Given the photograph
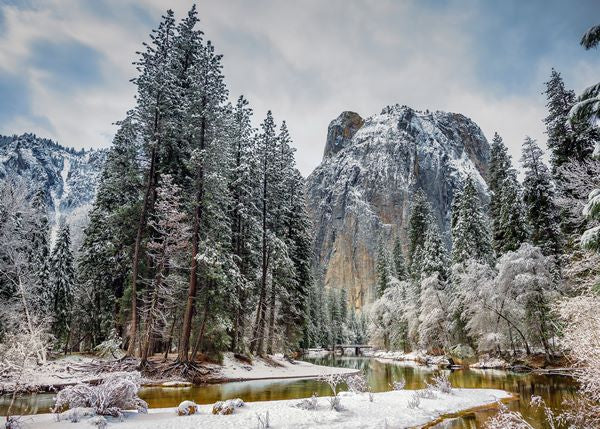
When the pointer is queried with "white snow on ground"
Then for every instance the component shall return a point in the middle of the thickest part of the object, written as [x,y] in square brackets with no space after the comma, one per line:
[263,369]
[419,356]
[388,409]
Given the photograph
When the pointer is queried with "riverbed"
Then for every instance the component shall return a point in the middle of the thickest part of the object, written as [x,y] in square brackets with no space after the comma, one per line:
[380,374]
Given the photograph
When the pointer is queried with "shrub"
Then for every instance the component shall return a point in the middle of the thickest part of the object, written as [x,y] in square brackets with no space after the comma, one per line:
[227,407]
[115,394]
[308,404]
[414,401]
[441,383]
[399,385]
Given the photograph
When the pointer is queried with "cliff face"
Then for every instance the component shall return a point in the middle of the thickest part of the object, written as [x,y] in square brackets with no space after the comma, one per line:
[69,177]
[369,174]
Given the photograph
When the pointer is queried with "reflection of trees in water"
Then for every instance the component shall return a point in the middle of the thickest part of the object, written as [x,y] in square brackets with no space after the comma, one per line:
[380,375]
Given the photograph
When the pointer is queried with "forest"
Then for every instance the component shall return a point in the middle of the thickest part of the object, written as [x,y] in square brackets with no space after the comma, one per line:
[199,242]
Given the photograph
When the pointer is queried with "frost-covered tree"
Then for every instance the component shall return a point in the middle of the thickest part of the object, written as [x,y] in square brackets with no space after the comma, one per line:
[499,165]
[538,197]
[383,269]
[62,286]
[470,233]
[166,251]
[393,318]
[433,289]
[40,247]
[510,225]
[401,272]
[417,226]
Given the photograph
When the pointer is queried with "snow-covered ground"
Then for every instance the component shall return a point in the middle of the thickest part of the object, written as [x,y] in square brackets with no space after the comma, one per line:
[69,370]
[275,367]
[388,409]
[418,356]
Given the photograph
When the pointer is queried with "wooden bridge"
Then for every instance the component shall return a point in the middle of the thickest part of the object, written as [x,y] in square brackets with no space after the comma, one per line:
[357,348]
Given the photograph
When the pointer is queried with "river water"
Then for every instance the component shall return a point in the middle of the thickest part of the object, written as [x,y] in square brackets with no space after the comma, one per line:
[555,389]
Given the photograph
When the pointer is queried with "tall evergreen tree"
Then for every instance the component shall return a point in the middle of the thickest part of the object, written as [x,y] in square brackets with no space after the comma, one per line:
[538,194]
[435,256]
[63,285]
[510,224]
[417,226]
[40,246]
[383,269]
[470,235]
[399,264]
[499,167]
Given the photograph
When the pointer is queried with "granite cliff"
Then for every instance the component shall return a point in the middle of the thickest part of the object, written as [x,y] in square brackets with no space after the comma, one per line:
[363,189]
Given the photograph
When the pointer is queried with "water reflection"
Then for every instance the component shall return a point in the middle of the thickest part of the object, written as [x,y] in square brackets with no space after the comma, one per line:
[380,374]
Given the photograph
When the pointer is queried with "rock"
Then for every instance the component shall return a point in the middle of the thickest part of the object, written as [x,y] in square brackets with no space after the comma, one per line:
[187,408]
[364,186]
[462,354]
[227,407]
[340,132]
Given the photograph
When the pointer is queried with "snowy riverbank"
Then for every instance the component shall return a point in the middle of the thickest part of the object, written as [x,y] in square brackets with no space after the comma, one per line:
[388,408]
[66,371]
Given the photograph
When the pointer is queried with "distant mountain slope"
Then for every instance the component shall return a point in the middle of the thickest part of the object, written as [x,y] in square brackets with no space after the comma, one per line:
[365,184]
[69,177]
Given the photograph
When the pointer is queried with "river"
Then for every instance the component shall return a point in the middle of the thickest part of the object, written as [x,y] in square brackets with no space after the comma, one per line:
[555,389]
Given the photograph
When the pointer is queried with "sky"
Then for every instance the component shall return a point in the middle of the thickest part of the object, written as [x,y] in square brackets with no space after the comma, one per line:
[66,65]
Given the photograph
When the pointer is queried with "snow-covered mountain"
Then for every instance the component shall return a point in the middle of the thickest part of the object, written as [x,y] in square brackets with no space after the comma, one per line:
[69,177]
[363,189]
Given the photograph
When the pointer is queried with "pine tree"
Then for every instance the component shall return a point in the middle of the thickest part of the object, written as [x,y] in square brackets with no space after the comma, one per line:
[40,247]
[383,269]
[399,265]
[499,167]
[470,236]
[104,264]
[434,256]
[538,194]
[417,226]
[561,141]
[63,285]
[510,225]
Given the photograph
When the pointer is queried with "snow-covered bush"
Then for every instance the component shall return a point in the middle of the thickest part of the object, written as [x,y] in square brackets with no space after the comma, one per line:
[441,383]
[357,383]
[263,421]
[426,393]
[310,404]
[186,408]
[399,385]
[506,419]
[227,407]
[334,381]
[13,422]
[111,347]
[414,401]
[115,394]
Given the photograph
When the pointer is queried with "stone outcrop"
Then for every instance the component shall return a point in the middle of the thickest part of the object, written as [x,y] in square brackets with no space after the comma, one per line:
[363,189]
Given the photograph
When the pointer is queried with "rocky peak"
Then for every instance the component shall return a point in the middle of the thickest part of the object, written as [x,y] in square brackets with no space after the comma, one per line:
[364,193]
[340,132]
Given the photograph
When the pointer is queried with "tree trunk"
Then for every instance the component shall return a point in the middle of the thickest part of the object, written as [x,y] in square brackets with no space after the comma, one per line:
[271,321]
[184,345]
[136,253]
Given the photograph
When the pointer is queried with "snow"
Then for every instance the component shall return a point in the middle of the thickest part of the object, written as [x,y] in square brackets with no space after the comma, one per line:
[388,409]
[275,367]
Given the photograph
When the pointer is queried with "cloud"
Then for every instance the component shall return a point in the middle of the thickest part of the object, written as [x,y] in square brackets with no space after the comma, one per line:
[307,61]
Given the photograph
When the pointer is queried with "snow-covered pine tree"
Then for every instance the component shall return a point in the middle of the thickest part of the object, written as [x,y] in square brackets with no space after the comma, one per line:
[383,268]
[538,198]
[561,138]
[433,299]
[154,86]
[498,170]
[266,149]
[510,226]
[104,264]
[40,247]
[166,250]
[244,217]
[398,257]
[417,226]
[206,113]
[470,235]
[62,286]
